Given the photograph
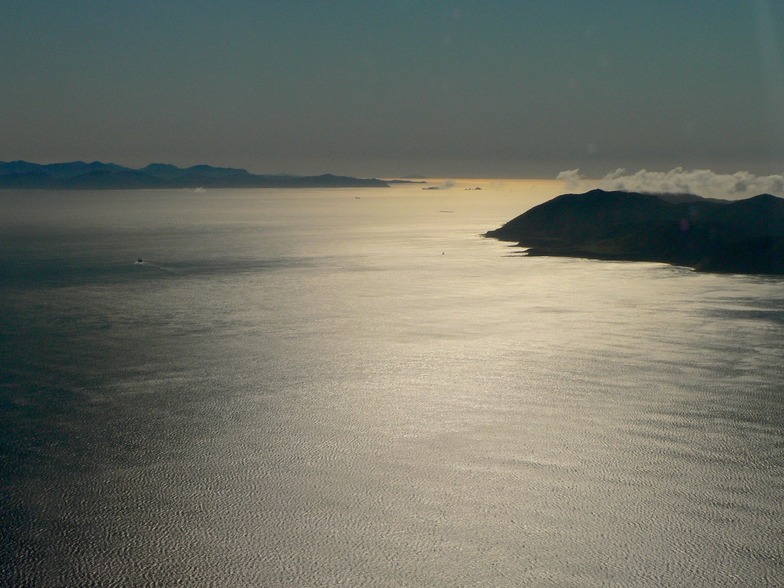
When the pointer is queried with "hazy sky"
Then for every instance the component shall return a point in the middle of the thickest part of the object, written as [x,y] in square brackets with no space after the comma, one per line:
[442,88]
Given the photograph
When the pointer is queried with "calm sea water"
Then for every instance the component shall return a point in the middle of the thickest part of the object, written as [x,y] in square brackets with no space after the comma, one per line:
[352,387]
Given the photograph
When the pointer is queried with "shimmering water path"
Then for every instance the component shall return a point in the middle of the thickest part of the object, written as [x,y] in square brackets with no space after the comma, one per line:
[319,388]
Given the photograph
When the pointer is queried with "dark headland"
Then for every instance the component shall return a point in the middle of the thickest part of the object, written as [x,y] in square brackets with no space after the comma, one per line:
[743,236]
[79,175]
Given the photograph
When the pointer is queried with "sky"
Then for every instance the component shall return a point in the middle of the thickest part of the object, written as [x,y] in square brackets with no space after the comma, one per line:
[485,88]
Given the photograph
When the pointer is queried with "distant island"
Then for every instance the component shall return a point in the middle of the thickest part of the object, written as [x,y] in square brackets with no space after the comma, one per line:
[79,175]
[743,236]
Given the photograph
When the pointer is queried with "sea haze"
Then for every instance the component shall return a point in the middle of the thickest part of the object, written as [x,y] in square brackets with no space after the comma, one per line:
[352,386]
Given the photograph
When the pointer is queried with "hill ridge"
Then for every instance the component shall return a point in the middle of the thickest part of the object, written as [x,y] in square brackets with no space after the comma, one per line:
[740,236]
[79,175]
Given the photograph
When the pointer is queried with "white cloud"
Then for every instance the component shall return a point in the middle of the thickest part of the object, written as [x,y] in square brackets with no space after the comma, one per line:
[702,182]
[573,179]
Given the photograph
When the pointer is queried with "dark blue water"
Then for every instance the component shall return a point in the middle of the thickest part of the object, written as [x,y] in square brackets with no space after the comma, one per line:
[306,388]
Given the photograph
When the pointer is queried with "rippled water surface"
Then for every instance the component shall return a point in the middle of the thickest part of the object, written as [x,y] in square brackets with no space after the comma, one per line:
[326,387]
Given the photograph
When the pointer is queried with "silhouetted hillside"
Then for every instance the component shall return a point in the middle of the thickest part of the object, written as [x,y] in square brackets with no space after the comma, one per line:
[745,236]
[79,175]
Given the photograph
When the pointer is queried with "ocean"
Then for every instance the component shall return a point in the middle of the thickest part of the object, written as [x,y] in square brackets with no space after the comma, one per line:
[354,387]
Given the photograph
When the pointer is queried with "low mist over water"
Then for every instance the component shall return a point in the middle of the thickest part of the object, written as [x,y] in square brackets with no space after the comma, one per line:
[324,387]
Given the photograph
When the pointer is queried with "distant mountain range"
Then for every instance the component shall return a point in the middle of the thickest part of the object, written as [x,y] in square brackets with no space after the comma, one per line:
[743,236]
[79,175]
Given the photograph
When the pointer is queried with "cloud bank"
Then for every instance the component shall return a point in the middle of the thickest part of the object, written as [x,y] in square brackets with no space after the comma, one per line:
[702,182]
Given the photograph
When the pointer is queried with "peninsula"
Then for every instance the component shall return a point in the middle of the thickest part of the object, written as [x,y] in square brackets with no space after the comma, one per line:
[743,236]
[79,175]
